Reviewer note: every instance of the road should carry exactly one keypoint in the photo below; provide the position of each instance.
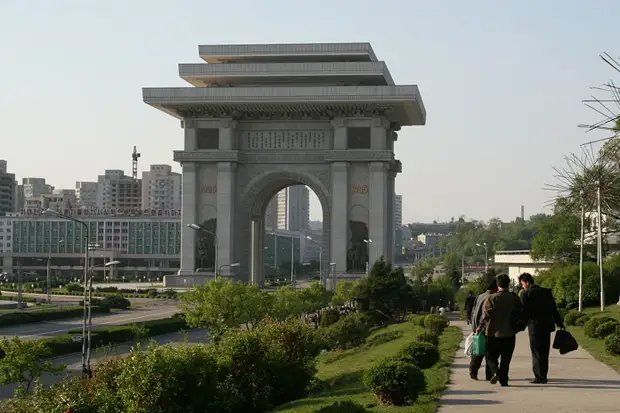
(74, 299)
(58, 327)
(74, 361)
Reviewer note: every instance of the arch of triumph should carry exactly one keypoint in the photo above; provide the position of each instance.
(260, 118)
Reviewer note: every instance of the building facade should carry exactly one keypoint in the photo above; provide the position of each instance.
(86, 194)
(398, 211)
(161, 188)
(8, 189)
(117, 190)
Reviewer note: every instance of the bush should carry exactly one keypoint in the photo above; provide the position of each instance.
(417, 320)
(395, 381)
(115, 301)
(329, 317)
(571, 317)
(435, 323)
(422, 354)
(343, 407)
(107, 289)
(590, 327)
(563, 312)
(428, 337)
(23, 317)
(612, 343)
(607, 328)
(74, 288)
(581, 321)
(152, 293)
(350, 331)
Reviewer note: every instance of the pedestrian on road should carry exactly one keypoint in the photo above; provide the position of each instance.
(543, 316)
(476, 361)
(470, 301)
(498, 323)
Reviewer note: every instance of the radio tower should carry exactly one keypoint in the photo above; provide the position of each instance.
(134, 164)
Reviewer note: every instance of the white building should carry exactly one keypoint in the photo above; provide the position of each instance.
(117, 190)
(161, 188)
(86, 194)
(398, 211)
(293, 205)
(520, 261)
(7, 189)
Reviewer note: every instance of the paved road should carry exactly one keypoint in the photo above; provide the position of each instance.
(74, 299)
(577, 384)
(59, 327)
(74, 361)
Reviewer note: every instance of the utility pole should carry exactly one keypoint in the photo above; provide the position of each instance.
(581, 241)
(600, 242)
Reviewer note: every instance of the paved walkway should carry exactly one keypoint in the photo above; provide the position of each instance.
(577, 384)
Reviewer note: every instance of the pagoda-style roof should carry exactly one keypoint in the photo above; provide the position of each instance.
(287, 53)
(289, 81)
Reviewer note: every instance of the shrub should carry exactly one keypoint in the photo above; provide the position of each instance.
(395, 381)
(115, 301)
(581, 321)
(563, 312)
(428, 337)
(435, 323)
(417, 320)
(346, 406)
(74, 288)
(571, 317)
(350, 331)
(170, 293)
(152, 293)
(607, 328)
(111, 289)
(329, 317)
(17, 318)
(422, 354)
(590, 327)
(612, 343)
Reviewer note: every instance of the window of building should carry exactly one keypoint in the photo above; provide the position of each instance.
(358, 138)
(208, 138)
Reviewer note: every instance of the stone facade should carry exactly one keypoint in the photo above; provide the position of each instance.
(244, 144)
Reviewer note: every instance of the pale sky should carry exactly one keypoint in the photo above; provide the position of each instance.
(502, 81)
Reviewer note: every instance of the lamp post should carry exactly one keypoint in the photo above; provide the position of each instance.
(197, 227)
(581, 240)
(320, 257)
(50, 212)
(368, 242)
(293, 261)
(49, 272)
(486, 255)
(233, 265)
(332, 274)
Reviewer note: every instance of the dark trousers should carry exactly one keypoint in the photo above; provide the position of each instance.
(474, 366)
(540, 345)
(499, 355)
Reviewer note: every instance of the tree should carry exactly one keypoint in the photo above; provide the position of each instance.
(345, 292)
(222, 305)
(23, 362)
(315, 297)
(558, 236)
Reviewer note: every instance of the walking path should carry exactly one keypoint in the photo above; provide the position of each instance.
(577, 384)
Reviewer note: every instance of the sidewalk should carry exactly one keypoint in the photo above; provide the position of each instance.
(577, 384)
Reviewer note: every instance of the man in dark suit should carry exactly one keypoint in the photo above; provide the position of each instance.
(470, 302)
(542, 314)
(498, 321)
(476, 315)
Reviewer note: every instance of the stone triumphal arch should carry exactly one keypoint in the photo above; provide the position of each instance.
(260, 118)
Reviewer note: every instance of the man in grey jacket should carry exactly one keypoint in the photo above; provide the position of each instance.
(476, 315)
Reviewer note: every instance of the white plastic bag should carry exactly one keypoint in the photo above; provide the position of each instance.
(469, 344)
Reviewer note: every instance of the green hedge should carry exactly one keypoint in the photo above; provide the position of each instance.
(27, 317)
(64, 344)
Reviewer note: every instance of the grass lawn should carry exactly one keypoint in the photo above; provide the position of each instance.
(342, 372)
(595, 346)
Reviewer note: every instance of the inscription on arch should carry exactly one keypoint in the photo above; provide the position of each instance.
(269, 140)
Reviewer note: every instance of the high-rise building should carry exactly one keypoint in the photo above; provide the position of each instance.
(293, 208)
(7, 189)
(35, 187)
(271, 214)
(86, 194)
(117, 190)
(398, 211)
(161, 188)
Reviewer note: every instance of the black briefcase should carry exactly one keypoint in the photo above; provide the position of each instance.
(564, 342)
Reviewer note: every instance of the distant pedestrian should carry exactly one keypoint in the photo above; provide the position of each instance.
(470, 301)
(542, 313)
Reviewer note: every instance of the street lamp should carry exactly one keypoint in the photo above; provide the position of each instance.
(233, 265)
(320, 257)
(52, 213)
(49, 272)
(197, 227)
(332, 274)
(486, 256)
(368, 242)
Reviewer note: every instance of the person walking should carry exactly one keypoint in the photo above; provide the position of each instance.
(470, 301)
(476, 315)
(542, 313)
(498, 318)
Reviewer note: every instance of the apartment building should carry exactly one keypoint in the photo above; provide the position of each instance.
(161, 188)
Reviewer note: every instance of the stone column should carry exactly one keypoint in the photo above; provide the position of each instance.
(378, 212)
(391, 227)
(257, 252)
(226, 174)
(188, 216)
(378, 136)
(339, 215)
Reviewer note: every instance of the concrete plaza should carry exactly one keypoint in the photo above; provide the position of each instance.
(577, 384)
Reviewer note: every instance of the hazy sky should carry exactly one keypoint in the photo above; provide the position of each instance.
(502, 82)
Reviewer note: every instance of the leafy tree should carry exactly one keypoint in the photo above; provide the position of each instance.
(315, 297)
(23, 362)
(345, 291)
(556, 236)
